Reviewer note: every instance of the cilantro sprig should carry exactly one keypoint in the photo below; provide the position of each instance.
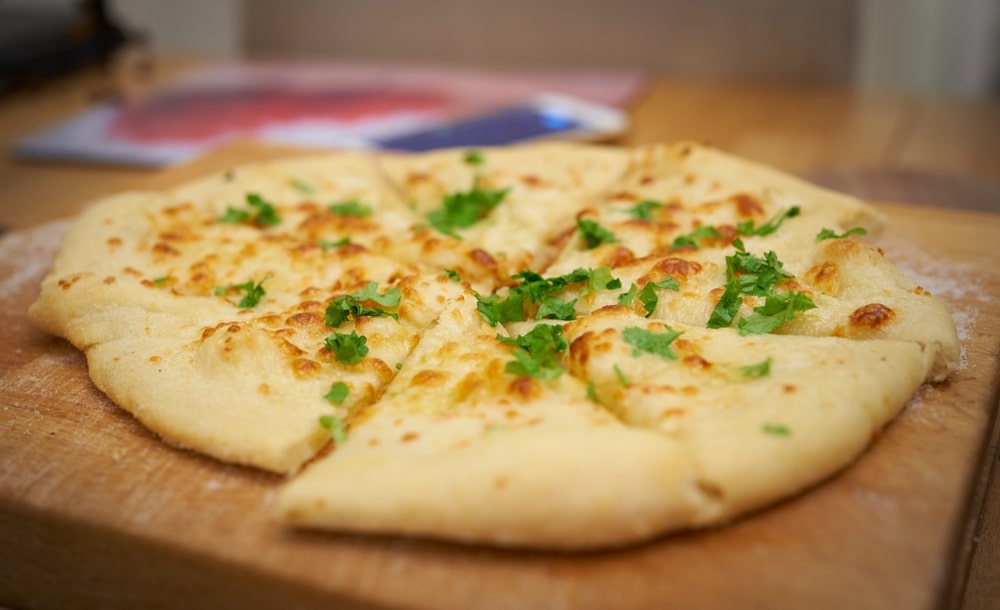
(537, 353)
(351, 208)
(353, 304)
(533, 289)
(254, 292)
(758, 370)
(465, 208)
(593, 234)
(644, 209)
(747, 228)
(336, 426)
(260, 213)
(690, 240)
(648, 295)
(830, 234)
(347, 349)
(748, 274)
(647, 341)
(338, 393)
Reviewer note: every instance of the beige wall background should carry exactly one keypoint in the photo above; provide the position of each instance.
(948, 47)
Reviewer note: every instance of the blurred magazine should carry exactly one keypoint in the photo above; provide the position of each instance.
(324, 105)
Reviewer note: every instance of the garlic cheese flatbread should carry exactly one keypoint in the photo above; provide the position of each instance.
(559, 346)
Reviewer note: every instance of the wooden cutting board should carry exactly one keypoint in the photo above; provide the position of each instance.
(96, 512)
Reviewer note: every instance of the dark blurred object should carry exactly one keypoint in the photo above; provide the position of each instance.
(41, 41)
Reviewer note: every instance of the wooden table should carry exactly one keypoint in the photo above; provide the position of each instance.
(943, 153)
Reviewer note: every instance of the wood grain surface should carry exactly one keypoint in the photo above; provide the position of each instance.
(96, 512)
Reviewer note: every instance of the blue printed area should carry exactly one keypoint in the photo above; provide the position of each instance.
(504, 127)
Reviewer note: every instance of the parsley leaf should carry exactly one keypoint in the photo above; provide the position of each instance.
(643, 340)
(747, 228)
(775, 429)
(829, 234)
(351, 208)
(327, 244)
(621, 376)
(592, 392)
(452, 275)
(644, 209)
(535, 289)
(726, 309)
(338, 393)
(254, 292)
(648, 296)
(628, 296)
(463, 209)
(556, 308)
(690, 240)
(261, 213)
(537, 352)
(594, 234)
(347, 349)
(496, 310)
(757, 371)
(336, 426)
(349, 305)
(302, 187)
(473, 156)
(776, 310)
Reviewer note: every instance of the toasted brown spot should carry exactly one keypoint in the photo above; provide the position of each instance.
(697, 362)
(825, 277)
(748, 206)
(482, 257)
(872, 316)
(162, 248)
(710, 490)
(305, 320)
(789, 388)
(109, 280)
(114, 242)
(920, 291)
(500, 482)
(524, 386)
(155, 359)
(304, 366)
(429, 378)
(675, 268)
(619, 256)
(628, 195)
(409, 437)
(264, 389)
(533, 181)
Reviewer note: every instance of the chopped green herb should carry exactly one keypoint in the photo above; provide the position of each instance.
(535, 289)
(757, 371)
(160, 281)
(621, 376)
(775, 429)
(592, 392)
(453, 275)
(776, 310)
(399, 366)
(254, 292)
(537, 352)
(644, 209)
(643, 340)
(464, 209)
(338, 392)
(473, 157)
(302, 187)
(336, 426)
(345, 306)
(829, 234)
(351, 208)
(726, 309)
(747, 228)
(496, 310)
(628, 296)
(261, 213)
(648, 296)
(326, 244)
(347, 349)
(691, 239)
(557, 309)
(594, 234)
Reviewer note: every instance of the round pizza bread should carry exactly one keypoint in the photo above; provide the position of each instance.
(558, 346)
